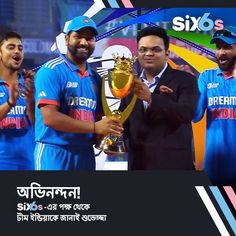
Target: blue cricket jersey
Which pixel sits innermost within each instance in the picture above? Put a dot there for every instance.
(60, 83)
(218, 98)
(16, 134)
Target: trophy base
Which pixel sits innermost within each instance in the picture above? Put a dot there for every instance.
(115, 147)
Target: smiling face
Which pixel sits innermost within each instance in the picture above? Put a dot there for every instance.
(152, 54)
(80, 44)
(225, 55)
(11, 54)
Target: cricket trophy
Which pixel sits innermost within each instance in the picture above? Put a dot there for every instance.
(120, 81)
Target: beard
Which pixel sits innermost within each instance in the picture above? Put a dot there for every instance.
(80, 54)
(11, 66)
(227, 66)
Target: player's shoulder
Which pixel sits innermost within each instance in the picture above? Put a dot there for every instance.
(210, 71)
(209, 74)
(53, 63)
(51, 68)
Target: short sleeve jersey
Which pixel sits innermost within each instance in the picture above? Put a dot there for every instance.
(60, 83)
(218, 98)
(16, 132)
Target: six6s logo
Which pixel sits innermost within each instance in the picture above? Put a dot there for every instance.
(29, 206)
(201, 23)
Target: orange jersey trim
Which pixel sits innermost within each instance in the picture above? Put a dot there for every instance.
(48, 102)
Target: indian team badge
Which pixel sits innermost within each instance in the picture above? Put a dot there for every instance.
(85, 20)
(21, 88)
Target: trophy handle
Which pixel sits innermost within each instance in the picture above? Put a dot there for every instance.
(125, 114)
(105, 106)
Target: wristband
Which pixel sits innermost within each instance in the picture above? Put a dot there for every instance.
(9, 103)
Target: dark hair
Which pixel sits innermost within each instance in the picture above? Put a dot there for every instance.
(154, 30)
(9, 35)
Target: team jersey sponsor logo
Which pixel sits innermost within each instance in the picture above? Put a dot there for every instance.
(17, 110)
(212, 85)
(82, 101)
(222, 100)
(72, 84)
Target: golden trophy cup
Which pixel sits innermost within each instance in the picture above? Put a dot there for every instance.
(120, 81)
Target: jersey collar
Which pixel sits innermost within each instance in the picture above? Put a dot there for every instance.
(20, 79)
(73, 67)
(220, 72)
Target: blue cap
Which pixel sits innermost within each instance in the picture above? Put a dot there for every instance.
(81, 22)
(228, 35)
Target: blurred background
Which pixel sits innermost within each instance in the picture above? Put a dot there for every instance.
(39, 22)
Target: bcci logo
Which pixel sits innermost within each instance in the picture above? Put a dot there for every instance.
(190, 23)
(85, 20)
(21, 88)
